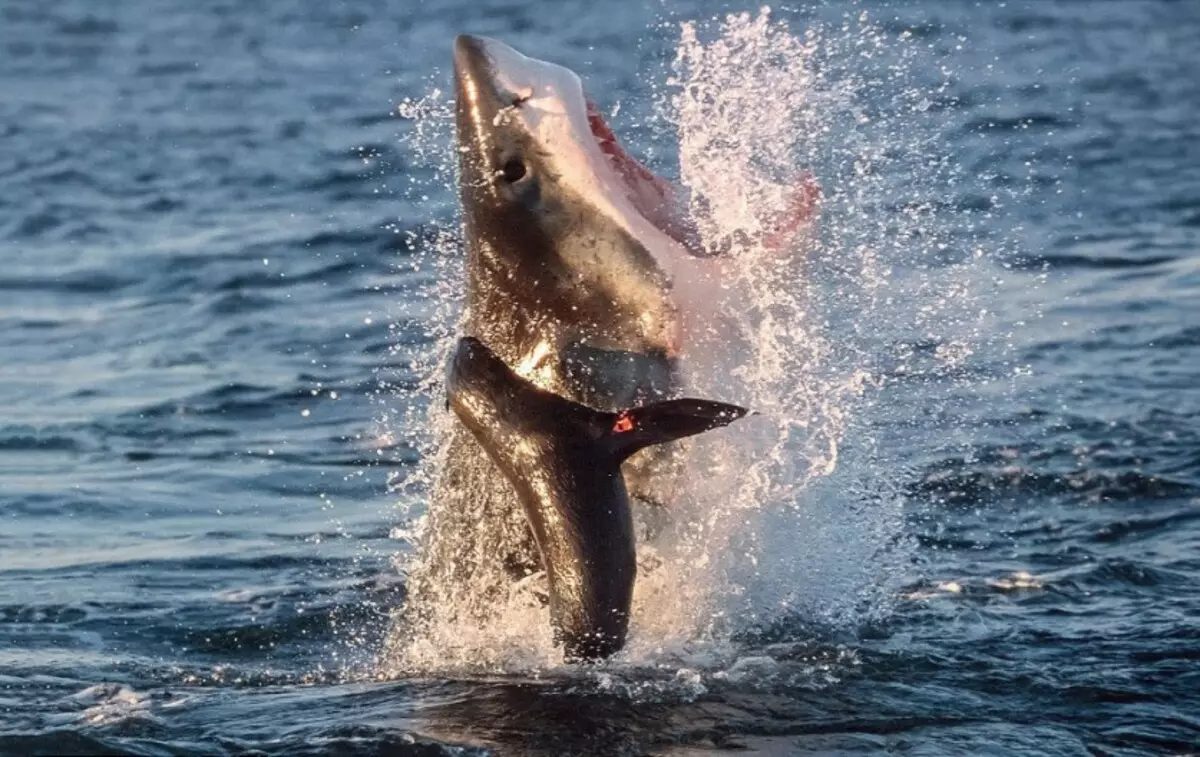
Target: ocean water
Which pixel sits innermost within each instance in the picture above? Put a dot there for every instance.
(228, 260)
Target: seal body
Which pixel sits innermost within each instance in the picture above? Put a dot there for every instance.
(563, 459)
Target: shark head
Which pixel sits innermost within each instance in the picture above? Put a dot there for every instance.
(555, 209)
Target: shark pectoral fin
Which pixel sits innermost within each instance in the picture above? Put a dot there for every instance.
(667, 421)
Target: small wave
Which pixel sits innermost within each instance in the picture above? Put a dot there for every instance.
(34, 225)
(259, 638)
(1029, 122)
(1028, 21)
(1084, 262)
(39, 504)
(71, 741)
(1187, 337)
(1134, 573)
(42, 614)
(88, 25)
(68, 282)
(1181, 202)
(375, 117)
(166, 68)
(920, 30)
(971, 486)
(104, 563)
(238, 301)
(241, 401)
(357, 238)
(1012, 583)
(327, 274)
(1136, 528)
(162, 204)
(343, 184)
(369, 740)
(29, 439)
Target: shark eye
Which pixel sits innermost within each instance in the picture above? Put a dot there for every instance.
(513, 170)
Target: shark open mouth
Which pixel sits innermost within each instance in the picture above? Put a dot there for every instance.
(538, 112)
(665, 204)
(655, 198)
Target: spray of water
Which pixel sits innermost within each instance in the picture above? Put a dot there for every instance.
(793, 519)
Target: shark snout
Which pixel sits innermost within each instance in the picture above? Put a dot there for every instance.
(470, 56)
(473, 71)
(483, 69)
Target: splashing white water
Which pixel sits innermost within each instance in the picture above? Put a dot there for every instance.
(796, 515)
(436, 252)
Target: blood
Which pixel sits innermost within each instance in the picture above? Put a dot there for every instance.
(656, 198)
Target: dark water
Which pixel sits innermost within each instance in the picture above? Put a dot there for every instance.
(203, 288)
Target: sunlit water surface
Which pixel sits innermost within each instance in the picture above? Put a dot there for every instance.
(966, 519)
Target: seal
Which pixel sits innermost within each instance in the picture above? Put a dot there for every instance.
(564, 461)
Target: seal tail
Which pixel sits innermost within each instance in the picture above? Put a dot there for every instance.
(662, 422)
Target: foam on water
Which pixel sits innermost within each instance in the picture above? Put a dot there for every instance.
(109, 704)
(792, 517)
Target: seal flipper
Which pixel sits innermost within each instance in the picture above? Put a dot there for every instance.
(663, 422)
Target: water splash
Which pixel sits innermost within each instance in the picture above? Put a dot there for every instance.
(795, 518)
(739, 104)
(436, 253)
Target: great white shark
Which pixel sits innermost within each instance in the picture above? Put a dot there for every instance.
(582, 275)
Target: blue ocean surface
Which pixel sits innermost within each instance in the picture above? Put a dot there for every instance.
(218, 277)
